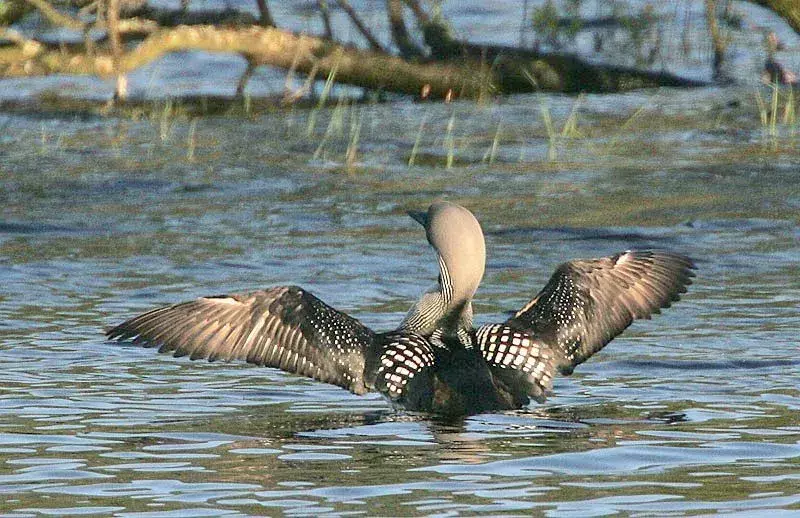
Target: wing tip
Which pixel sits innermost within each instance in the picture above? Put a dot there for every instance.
(119, 333)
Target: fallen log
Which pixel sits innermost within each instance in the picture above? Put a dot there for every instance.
(504, 72)
(260, 46)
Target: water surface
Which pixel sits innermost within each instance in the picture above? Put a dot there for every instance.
(694, 412)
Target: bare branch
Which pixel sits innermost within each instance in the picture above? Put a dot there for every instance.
(789, 10)
(716, 36)
(245, 77)
(400, 36)
(56, 17)
(326, 18)
(435, 33)
(262, 46)
(266, 19)
(419, 12)
(28, 48)
(373, 41)
(112, 21)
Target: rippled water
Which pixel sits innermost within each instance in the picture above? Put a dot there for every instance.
(694, 412)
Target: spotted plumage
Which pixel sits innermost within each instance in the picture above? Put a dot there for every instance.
(435, 361)
(588, 302)
(400, 357)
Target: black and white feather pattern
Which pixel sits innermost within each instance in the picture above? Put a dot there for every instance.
(516, 356)
(586, 303)
(399, 359)
(284, 327)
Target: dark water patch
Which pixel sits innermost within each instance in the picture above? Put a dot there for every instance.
(712, 365)
(7, 227)
(742, 224)
(653, 238)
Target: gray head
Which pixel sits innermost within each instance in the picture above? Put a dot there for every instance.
(456, 235)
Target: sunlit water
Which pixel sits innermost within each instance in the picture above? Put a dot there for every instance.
(694, 412)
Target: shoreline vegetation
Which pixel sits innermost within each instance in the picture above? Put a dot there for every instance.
(119, 36)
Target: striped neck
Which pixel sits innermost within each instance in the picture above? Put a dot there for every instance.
(445, 282)
(442, 310)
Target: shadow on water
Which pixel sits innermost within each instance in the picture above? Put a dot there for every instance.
(634, 239)
(715, 365)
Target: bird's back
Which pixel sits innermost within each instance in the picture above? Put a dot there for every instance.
(445, 378)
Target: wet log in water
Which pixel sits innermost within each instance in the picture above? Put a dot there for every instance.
(463, 76)
(454, 69)
(261, 46)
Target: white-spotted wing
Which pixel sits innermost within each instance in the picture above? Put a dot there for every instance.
(586, 303)
(284, 327)
(397, 360)
(522, 363)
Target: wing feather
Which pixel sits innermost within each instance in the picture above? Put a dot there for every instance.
(284, 327)
(586, 303)
(520, 363)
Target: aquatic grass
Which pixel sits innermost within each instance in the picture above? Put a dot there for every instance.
(326, 90)
(165, 121)
(247, 102)
(491, 153)
(42, 139)
(449, 140)
(337, 117)
(60, 142)
(770, 111)
(414, 150)
(627, 124)
(190, 140)
(547, 120)
(356, 119)
(332, 123)
(789, 110)
(569, 131)
(486, 88)
(790, 113)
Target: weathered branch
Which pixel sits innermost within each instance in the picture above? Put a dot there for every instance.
(24, 46)
(112, 21)
(133, 27)
(243, 80)
(261, 46)
(371, 39)
(523, 70)
(435, 33)
(717, 40)
(173, 18)
(56, 17)
(452, 74)
(265, 19)
(326, 18)
(400, 36)
(12, 11)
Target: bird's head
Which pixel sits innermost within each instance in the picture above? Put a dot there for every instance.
(457, 237)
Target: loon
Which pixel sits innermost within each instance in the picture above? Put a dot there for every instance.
(436, 361)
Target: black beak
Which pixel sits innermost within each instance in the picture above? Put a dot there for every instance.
(419, 216)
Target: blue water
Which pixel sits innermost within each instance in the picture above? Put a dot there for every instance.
(694, 412)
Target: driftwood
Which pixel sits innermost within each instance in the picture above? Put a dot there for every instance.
(446, 68)
(260, 46)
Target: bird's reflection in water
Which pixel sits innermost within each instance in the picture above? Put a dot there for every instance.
(460, 440)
